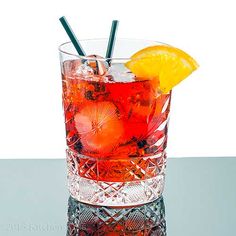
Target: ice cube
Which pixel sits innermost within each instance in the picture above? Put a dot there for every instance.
(93, 69)
(70, 67)
(120, 73)
(84, 70)
(98, 64)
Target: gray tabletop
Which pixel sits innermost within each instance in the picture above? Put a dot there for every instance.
(199, 197)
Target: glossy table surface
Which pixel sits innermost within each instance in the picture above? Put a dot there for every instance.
(199, 197)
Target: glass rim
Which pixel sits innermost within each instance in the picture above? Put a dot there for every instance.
(102, 39)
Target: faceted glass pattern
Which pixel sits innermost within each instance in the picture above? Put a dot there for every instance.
(137, 189)
(148, 220)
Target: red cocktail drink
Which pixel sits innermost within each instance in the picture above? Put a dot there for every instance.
(118, 127)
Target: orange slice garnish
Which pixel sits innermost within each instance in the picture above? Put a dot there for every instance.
(165, 65)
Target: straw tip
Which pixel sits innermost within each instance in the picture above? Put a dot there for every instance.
(62, 18)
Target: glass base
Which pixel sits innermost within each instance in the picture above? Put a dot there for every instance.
(114, 194)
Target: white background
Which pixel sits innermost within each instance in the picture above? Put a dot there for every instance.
(203, 107)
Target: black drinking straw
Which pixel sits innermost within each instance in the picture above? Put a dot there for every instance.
(112, 37)
(72, 36)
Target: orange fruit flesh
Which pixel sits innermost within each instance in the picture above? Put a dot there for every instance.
(166, 66)
(99, 126)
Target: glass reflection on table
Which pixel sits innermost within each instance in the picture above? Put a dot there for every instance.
(148, 219)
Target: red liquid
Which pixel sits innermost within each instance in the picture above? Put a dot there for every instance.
(116, 126)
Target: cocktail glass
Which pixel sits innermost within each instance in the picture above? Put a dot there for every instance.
(116, 126)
